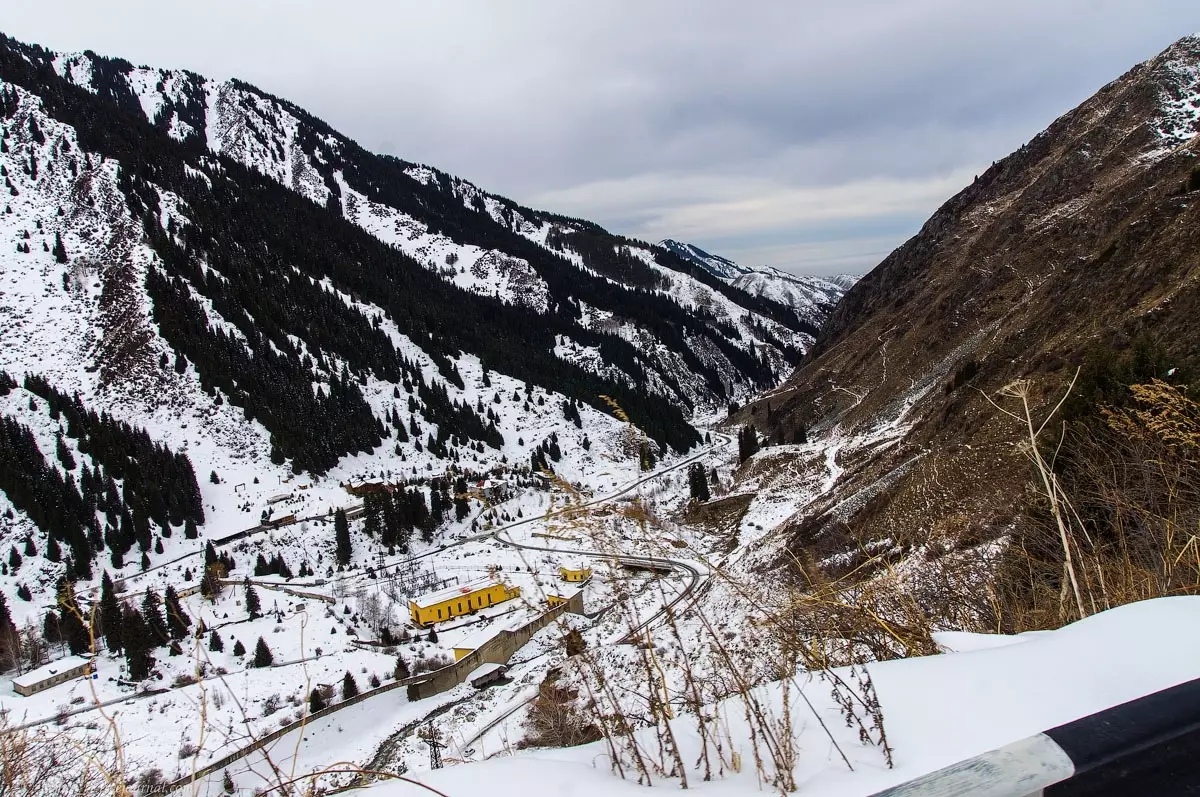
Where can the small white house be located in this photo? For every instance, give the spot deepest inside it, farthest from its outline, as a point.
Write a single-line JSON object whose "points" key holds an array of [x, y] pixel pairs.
{"points": [[52, 674]]}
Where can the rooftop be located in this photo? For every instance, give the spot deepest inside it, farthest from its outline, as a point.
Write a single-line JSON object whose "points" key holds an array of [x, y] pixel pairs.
{"points": [[485, 669], [480, 637], [50, 670], [449, 593]]}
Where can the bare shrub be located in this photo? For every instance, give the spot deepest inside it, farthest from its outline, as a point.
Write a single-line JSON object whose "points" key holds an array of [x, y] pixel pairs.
{"points": [[556, 720]]}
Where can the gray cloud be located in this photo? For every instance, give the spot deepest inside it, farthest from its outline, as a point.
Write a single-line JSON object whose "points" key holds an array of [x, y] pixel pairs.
{"points": [[814, 136]]}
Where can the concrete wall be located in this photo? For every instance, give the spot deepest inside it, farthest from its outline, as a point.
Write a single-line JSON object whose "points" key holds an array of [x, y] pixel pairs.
{"points": [[497, 650]]}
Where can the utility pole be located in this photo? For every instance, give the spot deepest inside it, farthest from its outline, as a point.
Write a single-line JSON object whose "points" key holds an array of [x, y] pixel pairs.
{"points": [[433, 739]]}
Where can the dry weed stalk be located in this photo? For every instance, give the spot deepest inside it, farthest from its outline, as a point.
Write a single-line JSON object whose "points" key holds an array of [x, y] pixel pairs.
{"points": [[1020, 390], [1134, 481]]}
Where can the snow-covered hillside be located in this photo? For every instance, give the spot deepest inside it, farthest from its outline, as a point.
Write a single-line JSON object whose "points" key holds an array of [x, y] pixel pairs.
{"points": [[282, 142], [811, 297], [466, 333]]}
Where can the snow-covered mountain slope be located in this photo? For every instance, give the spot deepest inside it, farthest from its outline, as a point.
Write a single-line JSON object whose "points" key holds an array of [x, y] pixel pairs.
{"points": [[482, 243], [213, 274], [812, 298]]}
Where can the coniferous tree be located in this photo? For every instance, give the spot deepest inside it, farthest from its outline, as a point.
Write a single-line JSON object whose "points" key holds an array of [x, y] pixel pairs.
{"points": [[698, 482], [349, 686], [138, 644], [73, 627], [341, 534], [239, 649], [262, 654], [253, 607], [64, 454], [462, 505], [156, 626], [215, 643], [316, 701], [60, 251], [111, 615], [373, 515], [51, 629], [747, 443], [178, 621], [10, 641], [401, 670], [433, 637]]}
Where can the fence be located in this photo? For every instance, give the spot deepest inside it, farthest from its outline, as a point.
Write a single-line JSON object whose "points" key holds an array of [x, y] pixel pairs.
{"points": [[1146, 746]]}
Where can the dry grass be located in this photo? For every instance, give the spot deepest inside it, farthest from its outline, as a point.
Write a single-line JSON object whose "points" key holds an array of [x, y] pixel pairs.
{"points": [[1131, 508]]}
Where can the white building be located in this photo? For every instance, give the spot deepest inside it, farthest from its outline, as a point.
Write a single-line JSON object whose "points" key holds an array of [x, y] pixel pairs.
{"points": [[52, 674]]}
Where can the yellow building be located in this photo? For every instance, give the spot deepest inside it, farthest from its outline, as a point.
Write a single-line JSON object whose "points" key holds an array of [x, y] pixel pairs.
{"points": [[459, 600], [576, 575]]}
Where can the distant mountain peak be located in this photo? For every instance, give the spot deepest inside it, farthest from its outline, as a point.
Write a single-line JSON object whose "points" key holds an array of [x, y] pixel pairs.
{"points": [[813, 298], [716, 265]]}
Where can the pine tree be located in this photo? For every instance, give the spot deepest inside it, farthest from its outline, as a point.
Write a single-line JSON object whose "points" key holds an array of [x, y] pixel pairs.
{"points": [[253, 607], [341, 535], [239, 649], [401, 671], [72, 628], [262, 654], [178, 621], [747, 443], [64, 454], [138, 644], [462, 506], [156, 626], [433, 637], [698, 482], [349, 686], [10, 643], [316, 702], [60, 251], [373, 515], [14, 559], [111, 616], [215, 643]]}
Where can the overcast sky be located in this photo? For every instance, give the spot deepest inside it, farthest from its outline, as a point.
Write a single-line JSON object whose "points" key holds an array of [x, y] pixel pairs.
{"points": [[813, 136]]}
